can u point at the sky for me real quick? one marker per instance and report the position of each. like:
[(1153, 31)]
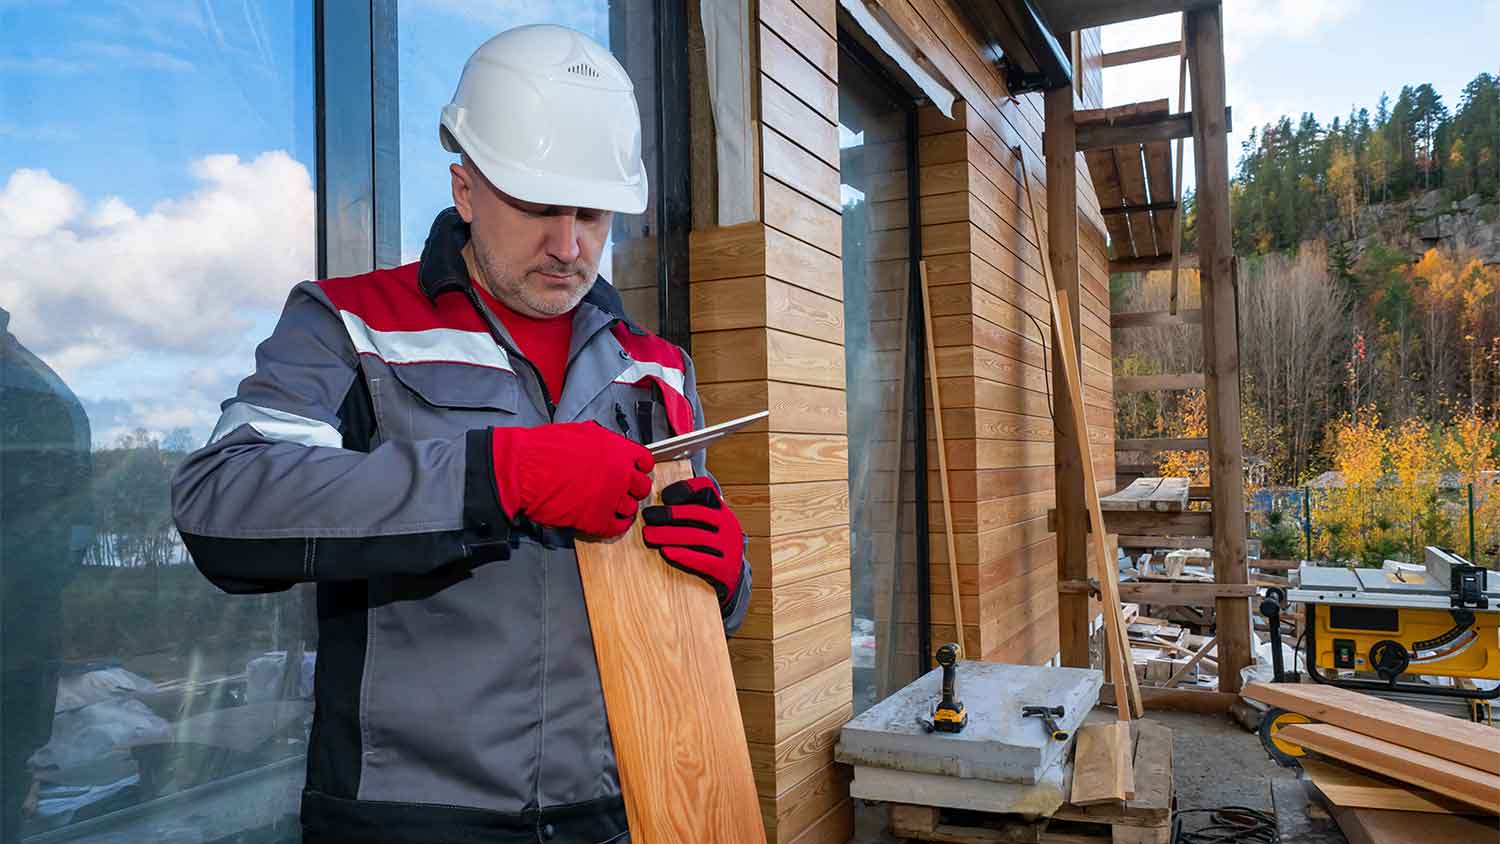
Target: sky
[(157, 157), (1322, 56)]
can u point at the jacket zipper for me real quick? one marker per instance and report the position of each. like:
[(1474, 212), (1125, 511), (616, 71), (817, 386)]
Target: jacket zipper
[(499, 337)]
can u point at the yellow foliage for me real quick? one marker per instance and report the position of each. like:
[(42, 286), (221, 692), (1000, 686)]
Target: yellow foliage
[(1470, 445), (1191, 422)]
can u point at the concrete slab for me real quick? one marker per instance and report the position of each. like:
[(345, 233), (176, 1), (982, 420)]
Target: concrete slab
[(998, 745), (1033, 801)]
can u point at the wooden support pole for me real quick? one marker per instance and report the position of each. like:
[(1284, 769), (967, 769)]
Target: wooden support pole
[(1128, 696), (942, 450), (1141, 54), (1062, 250), (1177, 214), (1221, 357)]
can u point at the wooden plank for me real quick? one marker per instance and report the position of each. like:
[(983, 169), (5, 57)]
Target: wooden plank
[(1147, 383), (658, 636), (798, 168), (1133, 497), (1127, 701), (773, 717), (795, 214), (1178, 700), (1103, 764), (1155, 262), (1152, 769), (1159, 193), (1181, 594), (1140, 54), (1156, 319), (1158, 445), (1062, 250), (942, 452), (1374, 826), (799, 807), (780, 766), (781, 62), (1205, 39), (1098, 134), (1138, 523), (1176, 241), (1470, 785), (1132, 171), (1104, 172), (1450, 738), (1344, 786), (793, 118), (804, 34), (774, 613), (768, 664), (1192, 661)]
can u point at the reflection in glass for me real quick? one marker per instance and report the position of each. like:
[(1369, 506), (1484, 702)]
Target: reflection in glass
[(434, 42), (152, 221), (880, 363)]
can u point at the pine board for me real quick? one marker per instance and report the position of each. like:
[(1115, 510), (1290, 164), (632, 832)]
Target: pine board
[(1414, 767), (673, 713), (1444, 736), (1102, 765)]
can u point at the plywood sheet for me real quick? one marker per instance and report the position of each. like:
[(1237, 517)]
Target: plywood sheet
[(660, 644)]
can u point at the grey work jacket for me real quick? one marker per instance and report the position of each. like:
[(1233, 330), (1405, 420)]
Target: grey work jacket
[(457, 693)]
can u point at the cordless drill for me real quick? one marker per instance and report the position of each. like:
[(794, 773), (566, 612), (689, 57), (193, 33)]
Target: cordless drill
[(950, 715)]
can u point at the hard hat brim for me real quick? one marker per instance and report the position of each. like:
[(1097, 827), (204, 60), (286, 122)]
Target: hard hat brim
[(551, 188)]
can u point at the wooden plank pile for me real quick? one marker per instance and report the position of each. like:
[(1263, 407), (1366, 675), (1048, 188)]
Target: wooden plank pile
[(1389, 769)]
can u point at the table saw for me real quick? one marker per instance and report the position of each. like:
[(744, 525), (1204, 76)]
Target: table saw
[(1438, 620)]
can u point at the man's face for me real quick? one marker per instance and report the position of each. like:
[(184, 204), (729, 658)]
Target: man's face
[(539, 260)]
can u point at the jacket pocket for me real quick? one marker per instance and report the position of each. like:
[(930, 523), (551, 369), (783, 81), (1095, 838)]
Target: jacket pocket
[(439, 400)]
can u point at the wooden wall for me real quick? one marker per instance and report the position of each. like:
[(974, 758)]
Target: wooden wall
[(768, 332)]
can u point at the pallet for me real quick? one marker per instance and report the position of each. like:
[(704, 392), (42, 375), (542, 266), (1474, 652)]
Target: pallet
[(1145, 820)]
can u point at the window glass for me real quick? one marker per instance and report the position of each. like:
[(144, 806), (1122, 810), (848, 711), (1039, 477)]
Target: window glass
[(437, 37), (156, 206), (880, 362)]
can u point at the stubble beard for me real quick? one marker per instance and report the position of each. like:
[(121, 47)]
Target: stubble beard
[(509, 286)]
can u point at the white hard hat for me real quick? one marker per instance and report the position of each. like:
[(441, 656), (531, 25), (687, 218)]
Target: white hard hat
[(549, 116)]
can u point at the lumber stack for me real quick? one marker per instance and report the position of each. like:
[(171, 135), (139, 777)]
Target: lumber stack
[(1388, 756)]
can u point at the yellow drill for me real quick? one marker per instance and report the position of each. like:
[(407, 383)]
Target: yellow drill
[(950, 715)]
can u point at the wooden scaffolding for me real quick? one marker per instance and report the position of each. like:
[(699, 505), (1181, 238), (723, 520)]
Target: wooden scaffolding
[(1129, 160)]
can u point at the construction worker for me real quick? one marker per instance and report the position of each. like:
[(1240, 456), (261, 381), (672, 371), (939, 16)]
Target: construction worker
[(425, 443)]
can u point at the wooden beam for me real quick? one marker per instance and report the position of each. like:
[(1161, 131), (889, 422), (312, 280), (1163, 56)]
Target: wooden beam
[(942, 451), (1157, 445), (661, 648), (1470, 785), (1149, 263), (1155, 542), (1146, 383), (1205, 39), (1176, 242), (1062, 250), (1180, 594), (1137, 130), (1128, 698), (1155, 319), (1450, 738), (1165, 205), (1163, 50), (1069, 15), (1150, 523), (1347, 787), (1192, 661), (1178, 700)]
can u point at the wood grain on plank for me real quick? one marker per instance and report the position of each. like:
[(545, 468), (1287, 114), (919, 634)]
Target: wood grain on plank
[(768, 664), (807, 801), (795, 408), (777, 509), (771, 717), (1457, 740), (788, 115), (1103, 764), (781, 62), (798, 168), (1470, 785), (793, 213), (781, 765), (765, 302), (660, 644), (753, 354), (777, 612), (804, 34), (1344, 786), (1374, 826), (755, 458)]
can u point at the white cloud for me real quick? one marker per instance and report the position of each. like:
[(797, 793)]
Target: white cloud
[(188, 275), (1253, 21), (123, 54)]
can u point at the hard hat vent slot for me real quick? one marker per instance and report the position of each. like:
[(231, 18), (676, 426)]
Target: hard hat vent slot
[(586, 70)]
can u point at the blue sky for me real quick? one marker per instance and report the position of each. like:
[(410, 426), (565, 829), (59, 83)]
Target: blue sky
[(1322, 56)]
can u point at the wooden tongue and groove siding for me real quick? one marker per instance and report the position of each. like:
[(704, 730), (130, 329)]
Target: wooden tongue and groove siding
[(1470, 785), (1456, 740), (673, 714)]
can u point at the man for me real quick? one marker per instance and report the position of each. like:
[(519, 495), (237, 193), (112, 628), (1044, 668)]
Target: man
[(425, 443)]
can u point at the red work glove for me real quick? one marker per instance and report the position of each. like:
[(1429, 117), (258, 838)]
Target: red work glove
[(571, 475), (697, 532)]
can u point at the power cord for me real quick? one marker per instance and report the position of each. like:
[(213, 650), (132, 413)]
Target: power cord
[(1237, 824)]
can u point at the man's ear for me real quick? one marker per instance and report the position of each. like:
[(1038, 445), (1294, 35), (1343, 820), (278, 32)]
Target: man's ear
[(462, 191)]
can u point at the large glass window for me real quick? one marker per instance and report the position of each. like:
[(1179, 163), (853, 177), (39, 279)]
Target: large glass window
[(156, 206), (437, 37), (882, 357)]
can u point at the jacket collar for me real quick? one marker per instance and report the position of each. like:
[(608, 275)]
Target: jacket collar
[(442, 267)]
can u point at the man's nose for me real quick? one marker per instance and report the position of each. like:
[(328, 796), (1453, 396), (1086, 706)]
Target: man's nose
[(562, 238)]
